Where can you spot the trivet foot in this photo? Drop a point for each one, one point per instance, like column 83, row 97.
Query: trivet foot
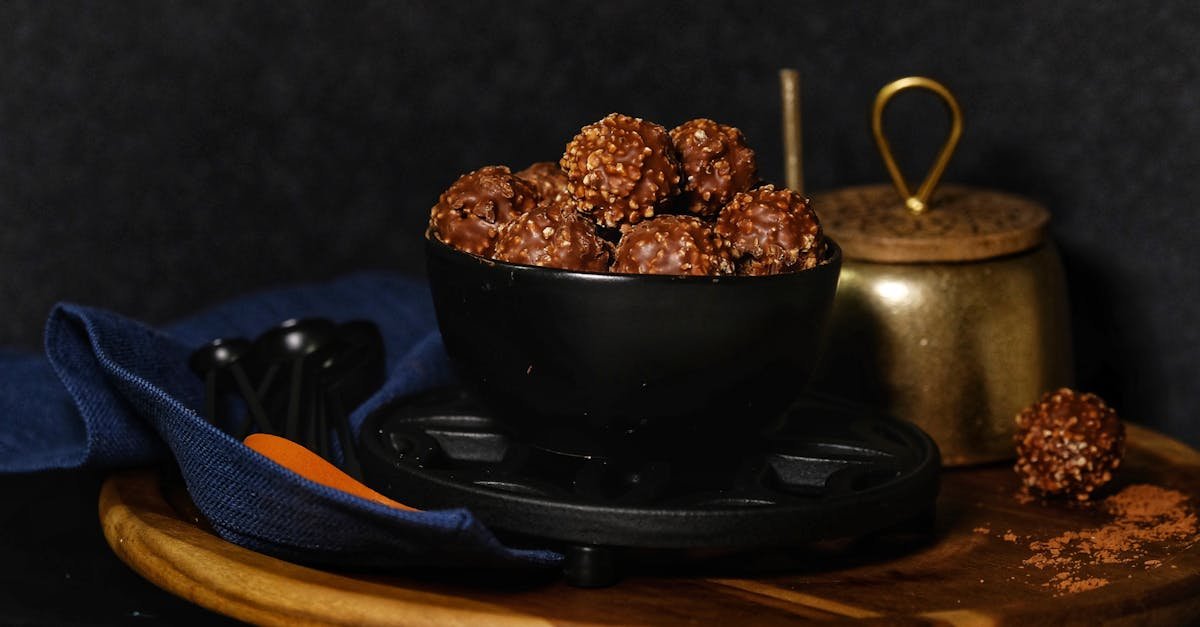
column 590, row 566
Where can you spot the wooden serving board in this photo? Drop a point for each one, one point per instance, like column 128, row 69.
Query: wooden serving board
column 967, row 573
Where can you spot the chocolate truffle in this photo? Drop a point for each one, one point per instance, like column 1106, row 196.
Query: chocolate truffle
column 550, row 181
column 554, row 235
column 468, row 214
column 716, row 164
column 622, row 169
column 770, row 231
column 671, row 245
column 1068, row 444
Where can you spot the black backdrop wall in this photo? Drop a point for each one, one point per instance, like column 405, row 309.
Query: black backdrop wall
column 156, row 157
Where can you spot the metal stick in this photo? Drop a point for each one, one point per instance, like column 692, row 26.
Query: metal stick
column 793, row 149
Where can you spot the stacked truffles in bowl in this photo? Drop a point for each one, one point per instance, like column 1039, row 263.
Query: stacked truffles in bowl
column 630, row 197
column 595, row 304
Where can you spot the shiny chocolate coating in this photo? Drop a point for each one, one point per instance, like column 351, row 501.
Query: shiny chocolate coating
column 770, row 231
column 622, row 169
column 671, row 245
column 716, row 164
column 468, row 214
column 553, row 235
column 548, row 178
column 1068, row 444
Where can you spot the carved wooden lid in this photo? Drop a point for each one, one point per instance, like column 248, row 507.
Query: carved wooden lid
column 872, row 223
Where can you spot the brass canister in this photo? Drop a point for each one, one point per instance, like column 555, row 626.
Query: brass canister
column 952, row 310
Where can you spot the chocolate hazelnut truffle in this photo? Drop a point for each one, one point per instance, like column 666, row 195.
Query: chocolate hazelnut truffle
column 1068, row 444
column 468, row 214
column 553, row 235
column 622, row 169
column 716, row 164
column 548, row 178
column 671, row 245
column 770, row 231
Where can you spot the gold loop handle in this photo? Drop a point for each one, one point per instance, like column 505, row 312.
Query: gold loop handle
column 918, row 202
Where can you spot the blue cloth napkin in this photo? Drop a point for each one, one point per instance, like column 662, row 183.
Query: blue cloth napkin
column 113, row 392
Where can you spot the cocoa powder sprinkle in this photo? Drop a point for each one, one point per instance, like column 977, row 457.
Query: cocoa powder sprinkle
column 1142, row 516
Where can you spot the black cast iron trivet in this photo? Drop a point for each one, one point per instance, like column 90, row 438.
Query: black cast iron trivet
column 834, row 471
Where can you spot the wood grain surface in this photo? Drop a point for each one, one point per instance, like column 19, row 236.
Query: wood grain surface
column 964, row 573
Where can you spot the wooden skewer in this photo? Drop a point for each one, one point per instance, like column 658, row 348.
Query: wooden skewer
column 793, row 149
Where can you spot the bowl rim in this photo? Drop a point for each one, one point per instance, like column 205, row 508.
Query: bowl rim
column 833, row 257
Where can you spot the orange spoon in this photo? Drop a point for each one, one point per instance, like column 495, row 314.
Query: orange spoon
column 313, row 467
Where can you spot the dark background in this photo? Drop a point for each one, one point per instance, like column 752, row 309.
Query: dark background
column 156, row 157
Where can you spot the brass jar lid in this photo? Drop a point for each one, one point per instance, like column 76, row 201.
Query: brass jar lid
column 872, row 223
column 953, row 223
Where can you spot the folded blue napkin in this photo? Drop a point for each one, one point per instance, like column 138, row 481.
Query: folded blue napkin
column 113, row 392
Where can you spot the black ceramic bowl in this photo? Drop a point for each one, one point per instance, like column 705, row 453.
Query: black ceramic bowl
column 607, row 364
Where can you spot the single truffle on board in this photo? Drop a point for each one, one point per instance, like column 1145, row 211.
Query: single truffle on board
column 1068, row 444
column 469, row 213
column 671, row 245
column 770, row 231
column 553, row 235
column 716, row 164
column 622, row 169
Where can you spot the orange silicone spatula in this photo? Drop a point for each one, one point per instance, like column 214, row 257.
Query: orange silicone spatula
column 313, row 467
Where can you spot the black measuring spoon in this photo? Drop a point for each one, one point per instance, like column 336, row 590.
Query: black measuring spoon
column 350, row 377
column 225, row 355
column 290, row 345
